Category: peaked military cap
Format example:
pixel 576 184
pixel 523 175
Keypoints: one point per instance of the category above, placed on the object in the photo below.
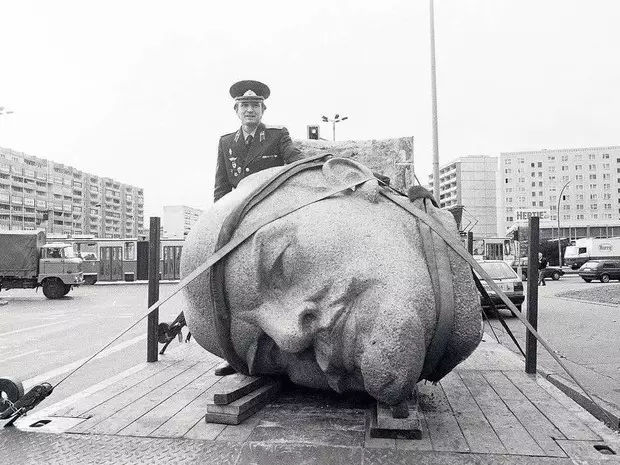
pixel 247 91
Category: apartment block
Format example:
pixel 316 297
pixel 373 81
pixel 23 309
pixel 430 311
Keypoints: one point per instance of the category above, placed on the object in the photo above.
pixel 36 193
pixel 471 182
pixel 178 220
pixel 574 190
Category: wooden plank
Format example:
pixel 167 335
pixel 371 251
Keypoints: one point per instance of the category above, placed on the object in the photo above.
pixel 236 386
pixel 386 420
pixel 511 432
pixel 376 443
pixel 125 398
pixel 156 417
pixel 477 431
pixel 233 419
pixel 190 416
pixel 424 443
pixel 444 431
pixel 539 427
pixel 81 408
pixel 118 420
pixel 395 428
pixel 204 431
pixel 562 418
pixel 261 396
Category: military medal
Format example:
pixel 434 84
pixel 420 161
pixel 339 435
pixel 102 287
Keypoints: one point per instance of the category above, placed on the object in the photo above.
pixel 262 136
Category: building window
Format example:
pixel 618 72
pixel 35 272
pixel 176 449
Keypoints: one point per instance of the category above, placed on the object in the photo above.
pixel 592 157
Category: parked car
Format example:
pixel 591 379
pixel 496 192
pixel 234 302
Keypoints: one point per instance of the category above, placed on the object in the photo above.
pixel 603 270
pixel 507 280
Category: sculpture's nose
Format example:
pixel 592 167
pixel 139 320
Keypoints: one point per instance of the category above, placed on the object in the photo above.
pixel 291 327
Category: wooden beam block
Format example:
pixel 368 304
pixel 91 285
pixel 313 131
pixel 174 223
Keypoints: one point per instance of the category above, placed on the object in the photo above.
pixel 240 409
pixel 261 395
pixel 384 425
pixel 235 386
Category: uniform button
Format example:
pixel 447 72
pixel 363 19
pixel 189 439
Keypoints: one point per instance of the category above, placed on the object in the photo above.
pixel 247 169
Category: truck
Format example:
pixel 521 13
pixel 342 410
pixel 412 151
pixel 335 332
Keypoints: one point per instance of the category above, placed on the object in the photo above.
pixel 27 262
pixel 591 248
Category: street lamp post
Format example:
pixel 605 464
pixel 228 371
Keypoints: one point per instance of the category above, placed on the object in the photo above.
pixel 334 120
pixel 559 244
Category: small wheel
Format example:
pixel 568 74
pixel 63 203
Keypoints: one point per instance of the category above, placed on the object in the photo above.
pixel 605 278
pixel 11 389
pixel 555 276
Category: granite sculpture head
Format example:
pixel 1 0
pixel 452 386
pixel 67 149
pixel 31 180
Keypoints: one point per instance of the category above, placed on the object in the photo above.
pixel 337 294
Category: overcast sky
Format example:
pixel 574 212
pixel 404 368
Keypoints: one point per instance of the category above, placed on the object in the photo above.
pixel 138 90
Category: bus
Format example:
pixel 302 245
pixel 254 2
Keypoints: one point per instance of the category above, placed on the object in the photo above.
pixel 494 248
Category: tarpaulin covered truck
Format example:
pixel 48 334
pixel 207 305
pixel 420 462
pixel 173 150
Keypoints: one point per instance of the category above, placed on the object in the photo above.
pixel 591 248
pixel 26 262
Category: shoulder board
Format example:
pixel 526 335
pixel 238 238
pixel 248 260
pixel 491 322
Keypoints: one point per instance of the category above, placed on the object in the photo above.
pixel 274 127
pixel 229 134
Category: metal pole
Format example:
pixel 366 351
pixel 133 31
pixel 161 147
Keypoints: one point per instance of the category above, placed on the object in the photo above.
pixel 470 242
pixel 532 295
pixel 434 98
pixel 334 130
pixel 559 246
pixel 153 318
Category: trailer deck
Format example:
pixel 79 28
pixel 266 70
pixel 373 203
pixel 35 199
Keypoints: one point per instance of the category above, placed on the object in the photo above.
pixel 486 411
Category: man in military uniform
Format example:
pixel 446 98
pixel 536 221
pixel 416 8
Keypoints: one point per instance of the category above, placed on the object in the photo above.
pixel 254 146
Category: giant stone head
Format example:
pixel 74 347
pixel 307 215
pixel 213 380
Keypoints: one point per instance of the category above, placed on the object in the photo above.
pixel 350 292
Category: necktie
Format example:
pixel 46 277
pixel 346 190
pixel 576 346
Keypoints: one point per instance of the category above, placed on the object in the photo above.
pixel 248 140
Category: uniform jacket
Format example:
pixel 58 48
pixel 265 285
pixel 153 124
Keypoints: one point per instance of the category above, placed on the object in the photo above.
pixel 271 146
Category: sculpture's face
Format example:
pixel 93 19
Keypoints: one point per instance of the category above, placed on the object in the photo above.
pixel 337 294
pixel 328 296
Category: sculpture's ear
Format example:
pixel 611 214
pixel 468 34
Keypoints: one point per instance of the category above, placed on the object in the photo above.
pixel 340 171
